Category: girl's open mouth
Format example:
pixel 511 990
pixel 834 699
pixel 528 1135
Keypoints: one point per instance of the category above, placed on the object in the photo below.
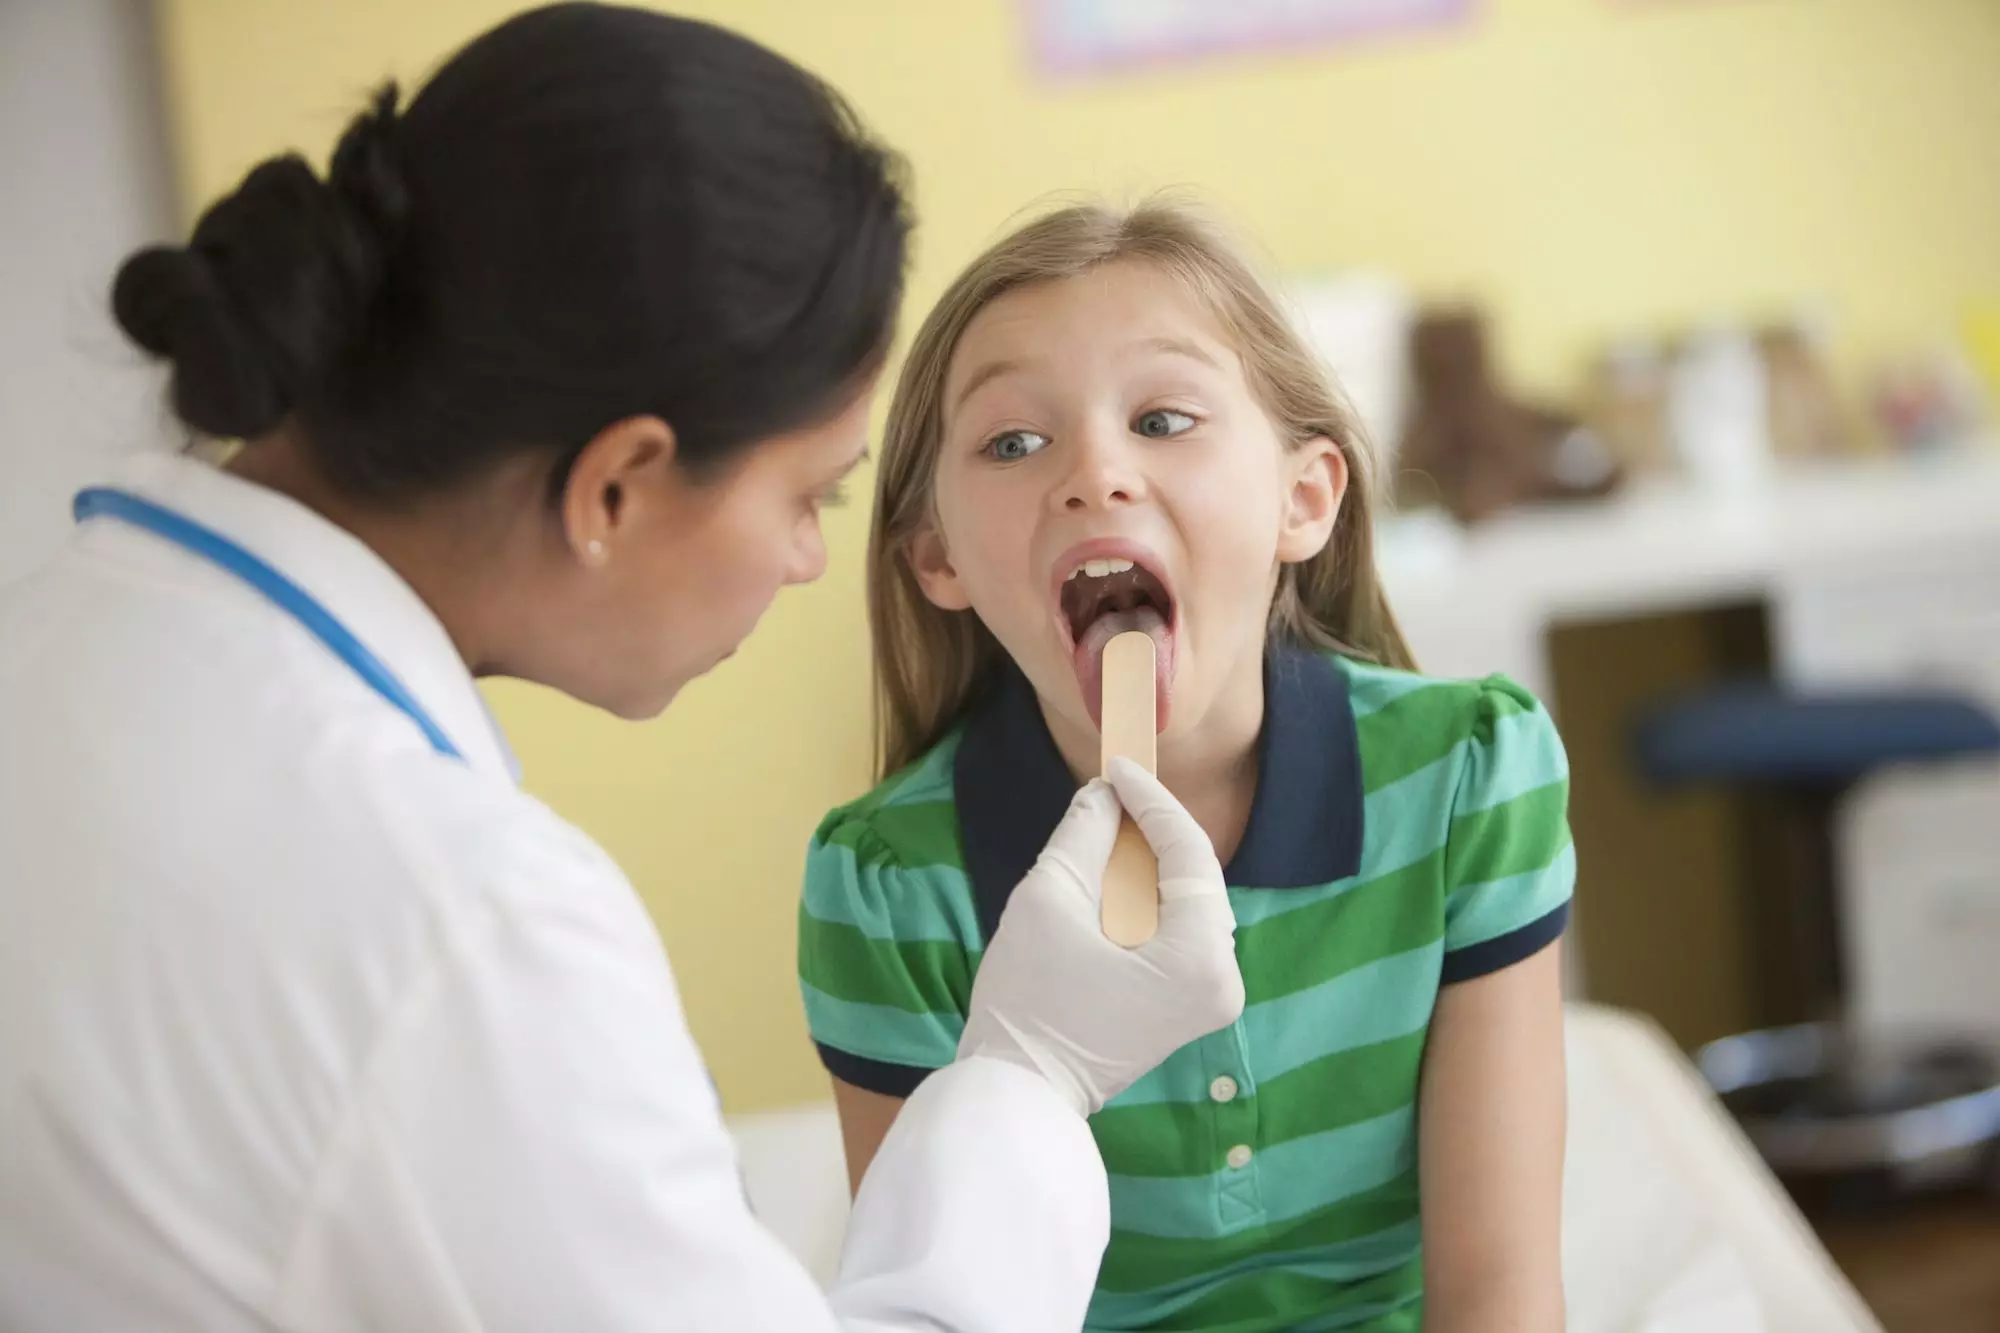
pixel 1104 594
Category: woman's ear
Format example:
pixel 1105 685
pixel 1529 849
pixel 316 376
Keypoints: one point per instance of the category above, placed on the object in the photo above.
pixel 931 563
pixel 1312 506
pixel 625 470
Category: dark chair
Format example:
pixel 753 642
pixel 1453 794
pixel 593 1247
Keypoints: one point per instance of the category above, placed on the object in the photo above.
pixel 1761 733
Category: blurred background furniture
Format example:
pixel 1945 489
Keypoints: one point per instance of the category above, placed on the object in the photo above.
pixel 1803 752
pixel 1831 1104
pixel 1831 576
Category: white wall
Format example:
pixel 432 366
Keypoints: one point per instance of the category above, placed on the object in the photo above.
pixel 83 180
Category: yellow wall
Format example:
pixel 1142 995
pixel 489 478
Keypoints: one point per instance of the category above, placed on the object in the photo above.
pixel 1583 166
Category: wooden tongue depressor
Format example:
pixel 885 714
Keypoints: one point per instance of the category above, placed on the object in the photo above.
pixel 1130 730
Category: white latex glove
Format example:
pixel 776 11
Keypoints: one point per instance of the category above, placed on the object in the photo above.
pixel 1057 997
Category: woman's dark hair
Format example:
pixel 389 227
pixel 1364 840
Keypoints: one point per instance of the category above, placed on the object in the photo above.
pixel 589 213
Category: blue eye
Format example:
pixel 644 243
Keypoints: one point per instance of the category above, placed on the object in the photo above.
pixel 1010 446
pixel 1162 423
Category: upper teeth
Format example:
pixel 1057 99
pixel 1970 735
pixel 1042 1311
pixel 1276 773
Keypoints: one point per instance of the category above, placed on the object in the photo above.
pixel 1098 569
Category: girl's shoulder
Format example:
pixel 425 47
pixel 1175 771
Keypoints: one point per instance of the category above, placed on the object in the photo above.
pixel 889 866
pixel 1406 721
pixel 907 818
pixel 1475 769
pixel 1374 687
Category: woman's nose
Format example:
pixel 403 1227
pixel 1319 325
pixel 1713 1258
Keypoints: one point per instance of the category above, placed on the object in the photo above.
pixel 1103 474
pixel 808 556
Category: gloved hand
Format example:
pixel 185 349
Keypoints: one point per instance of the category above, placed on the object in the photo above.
pixel 1057 997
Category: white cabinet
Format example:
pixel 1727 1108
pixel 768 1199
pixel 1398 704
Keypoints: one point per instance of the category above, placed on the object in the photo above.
pixel 1919 852
pixel 1923 614
pixel 1918 848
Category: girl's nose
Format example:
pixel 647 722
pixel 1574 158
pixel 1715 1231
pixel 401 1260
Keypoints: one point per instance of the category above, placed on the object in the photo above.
pixel 1104 473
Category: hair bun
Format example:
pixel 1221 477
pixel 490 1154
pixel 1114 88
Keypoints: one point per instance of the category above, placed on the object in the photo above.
pixel 168 301
pixel 367 171
pixel 276 285
pixel 160 293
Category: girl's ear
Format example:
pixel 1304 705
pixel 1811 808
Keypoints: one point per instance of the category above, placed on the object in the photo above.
pixel 1312 505
pixel 931 563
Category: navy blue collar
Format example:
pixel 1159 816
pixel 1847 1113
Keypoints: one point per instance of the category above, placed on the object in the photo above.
pixel 1011 785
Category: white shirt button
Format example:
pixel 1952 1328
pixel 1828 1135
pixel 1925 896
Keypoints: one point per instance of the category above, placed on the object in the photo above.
pixel 1224 1089
pixel 1239 1157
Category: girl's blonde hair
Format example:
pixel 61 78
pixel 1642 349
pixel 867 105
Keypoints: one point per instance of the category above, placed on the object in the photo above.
pixel 932 665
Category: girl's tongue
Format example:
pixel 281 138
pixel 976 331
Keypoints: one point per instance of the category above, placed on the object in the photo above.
pixel 1088 658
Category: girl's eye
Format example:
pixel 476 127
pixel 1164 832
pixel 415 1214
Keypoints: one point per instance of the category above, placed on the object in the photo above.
pixel 1010 446
pixel 1162 423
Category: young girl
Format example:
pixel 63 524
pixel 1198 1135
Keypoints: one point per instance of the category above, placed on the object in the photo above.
pixel 1108 424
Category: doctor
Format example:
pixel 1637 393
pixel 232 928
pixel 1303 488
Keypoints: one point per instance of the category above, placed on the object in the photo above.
pixel 310 1019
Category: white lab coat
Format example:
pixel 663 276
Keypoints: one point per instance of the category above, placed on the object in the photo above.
pixel 304 1026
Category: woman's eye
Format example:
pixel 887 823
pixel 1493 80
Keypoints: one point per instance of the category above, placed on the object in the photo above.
pixel 1162 423
pixel 1013 445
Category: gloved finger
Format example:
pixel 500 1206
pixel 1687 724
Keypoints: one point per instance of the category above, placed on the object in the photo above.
pixel 1079 849
pixel 1197 919
pixel 1186 856
pixel 1196 944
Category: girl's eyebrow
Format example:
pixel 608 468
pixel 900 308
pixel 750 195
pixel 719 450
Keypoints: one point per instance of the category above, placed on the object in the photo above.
pixel 993 370
pixel 1188 348
pixel 982 377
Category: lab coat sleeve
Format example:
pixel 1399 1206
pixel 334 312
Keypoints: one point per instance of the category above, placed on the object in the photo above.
pixel 986 1209
pixel 534 1144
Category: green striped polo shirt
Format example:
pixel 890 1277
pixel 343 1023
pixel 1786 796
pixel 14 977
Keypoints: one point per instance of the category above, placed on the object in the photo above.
pixel 1406 833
